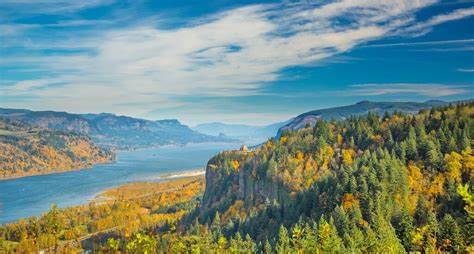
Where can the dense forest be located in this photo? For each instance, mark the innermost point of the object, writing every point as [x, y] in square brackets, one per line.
[27, 150]
[390, 183]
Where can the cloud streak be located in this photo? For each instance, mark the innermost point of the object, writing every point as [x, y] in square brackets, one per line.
[231, 53]
[430, 89]
[425, 27]
[466, 69]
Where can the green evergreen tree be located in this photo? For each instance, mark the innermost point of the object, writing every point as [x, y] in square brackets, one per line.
[283, 244]
[431, 233]
[404, 228]
[450, 235]
[267, 247]
[216, 227]
[328, 238]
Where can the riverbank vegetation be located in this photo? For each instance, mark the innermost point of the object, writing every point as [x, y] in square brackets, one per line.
[119, 213]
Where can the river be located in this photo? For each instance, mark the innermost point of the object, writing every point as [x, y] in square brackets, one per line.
[34, 195]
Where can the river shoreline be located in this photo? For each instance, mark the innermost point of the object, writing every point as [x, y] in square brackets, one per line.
[33, 195]
[100, 198]
[61, 171]
[87, 167]
[170, 177]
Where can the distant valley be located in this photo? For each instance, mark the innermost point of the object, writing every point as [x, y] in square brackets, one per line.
[113, 131]
[38, 142]
[257, 134]
[249, 134]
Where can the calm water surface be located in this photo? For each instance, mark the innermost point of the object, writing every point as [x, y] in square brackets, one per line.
[28, 196]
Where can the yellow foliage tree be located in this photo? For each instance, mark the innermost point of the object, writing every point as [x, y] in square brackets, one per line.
[299, 156]
[235, 164]
[415, 182]
[453, 166]
[468, 162]
[339, 139]
[347, 156]
[349, 201]
[437, 186]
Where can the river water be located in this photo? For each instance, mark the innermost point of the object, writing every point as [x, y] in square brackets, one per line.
[34, 195]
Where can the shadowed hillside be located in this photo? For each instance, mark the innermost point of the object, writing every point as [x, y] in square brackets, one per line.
[27, 150]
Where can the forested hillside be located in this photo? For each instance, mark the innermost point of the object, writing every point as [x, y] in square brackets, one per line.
[382, 184]
[391, 183]
[360, 108]
[27, 150]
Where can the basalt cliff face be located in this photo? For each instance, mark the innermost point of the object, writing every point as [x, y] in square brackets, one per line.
[230, 186]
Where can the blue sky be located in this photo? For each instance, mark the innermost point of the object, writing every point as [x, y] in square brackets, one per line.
[254, 62]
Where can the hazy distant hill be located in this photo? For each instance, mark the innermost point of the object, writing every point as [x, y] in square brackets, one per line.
[247, 133]
[27, 150]
[359, 108]
[110, 130]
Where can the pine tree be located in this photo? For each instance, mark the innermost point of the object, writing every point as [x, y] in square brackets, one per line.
[431, 233]
[328, 238]
[216, 227]
[237, 243]
[309, 240]
[250, 246]
[404, 227]
[412, 148]
[433, 155]
[450, 235]
[283, 245]
[267, 247]
[387, 241]
[465, 140]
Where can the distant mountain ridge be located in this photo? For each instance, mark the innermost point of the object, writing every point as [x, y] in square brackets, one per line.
[360, 108]
[248, 133]
[110, 130]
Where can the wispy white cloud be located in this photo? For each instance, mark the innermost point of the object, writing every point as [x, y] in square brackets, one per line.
[445, 49]
[420, 43]
[231, 53]
[48, 6]
[466, 69]
[423, 89]
[426, 26]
